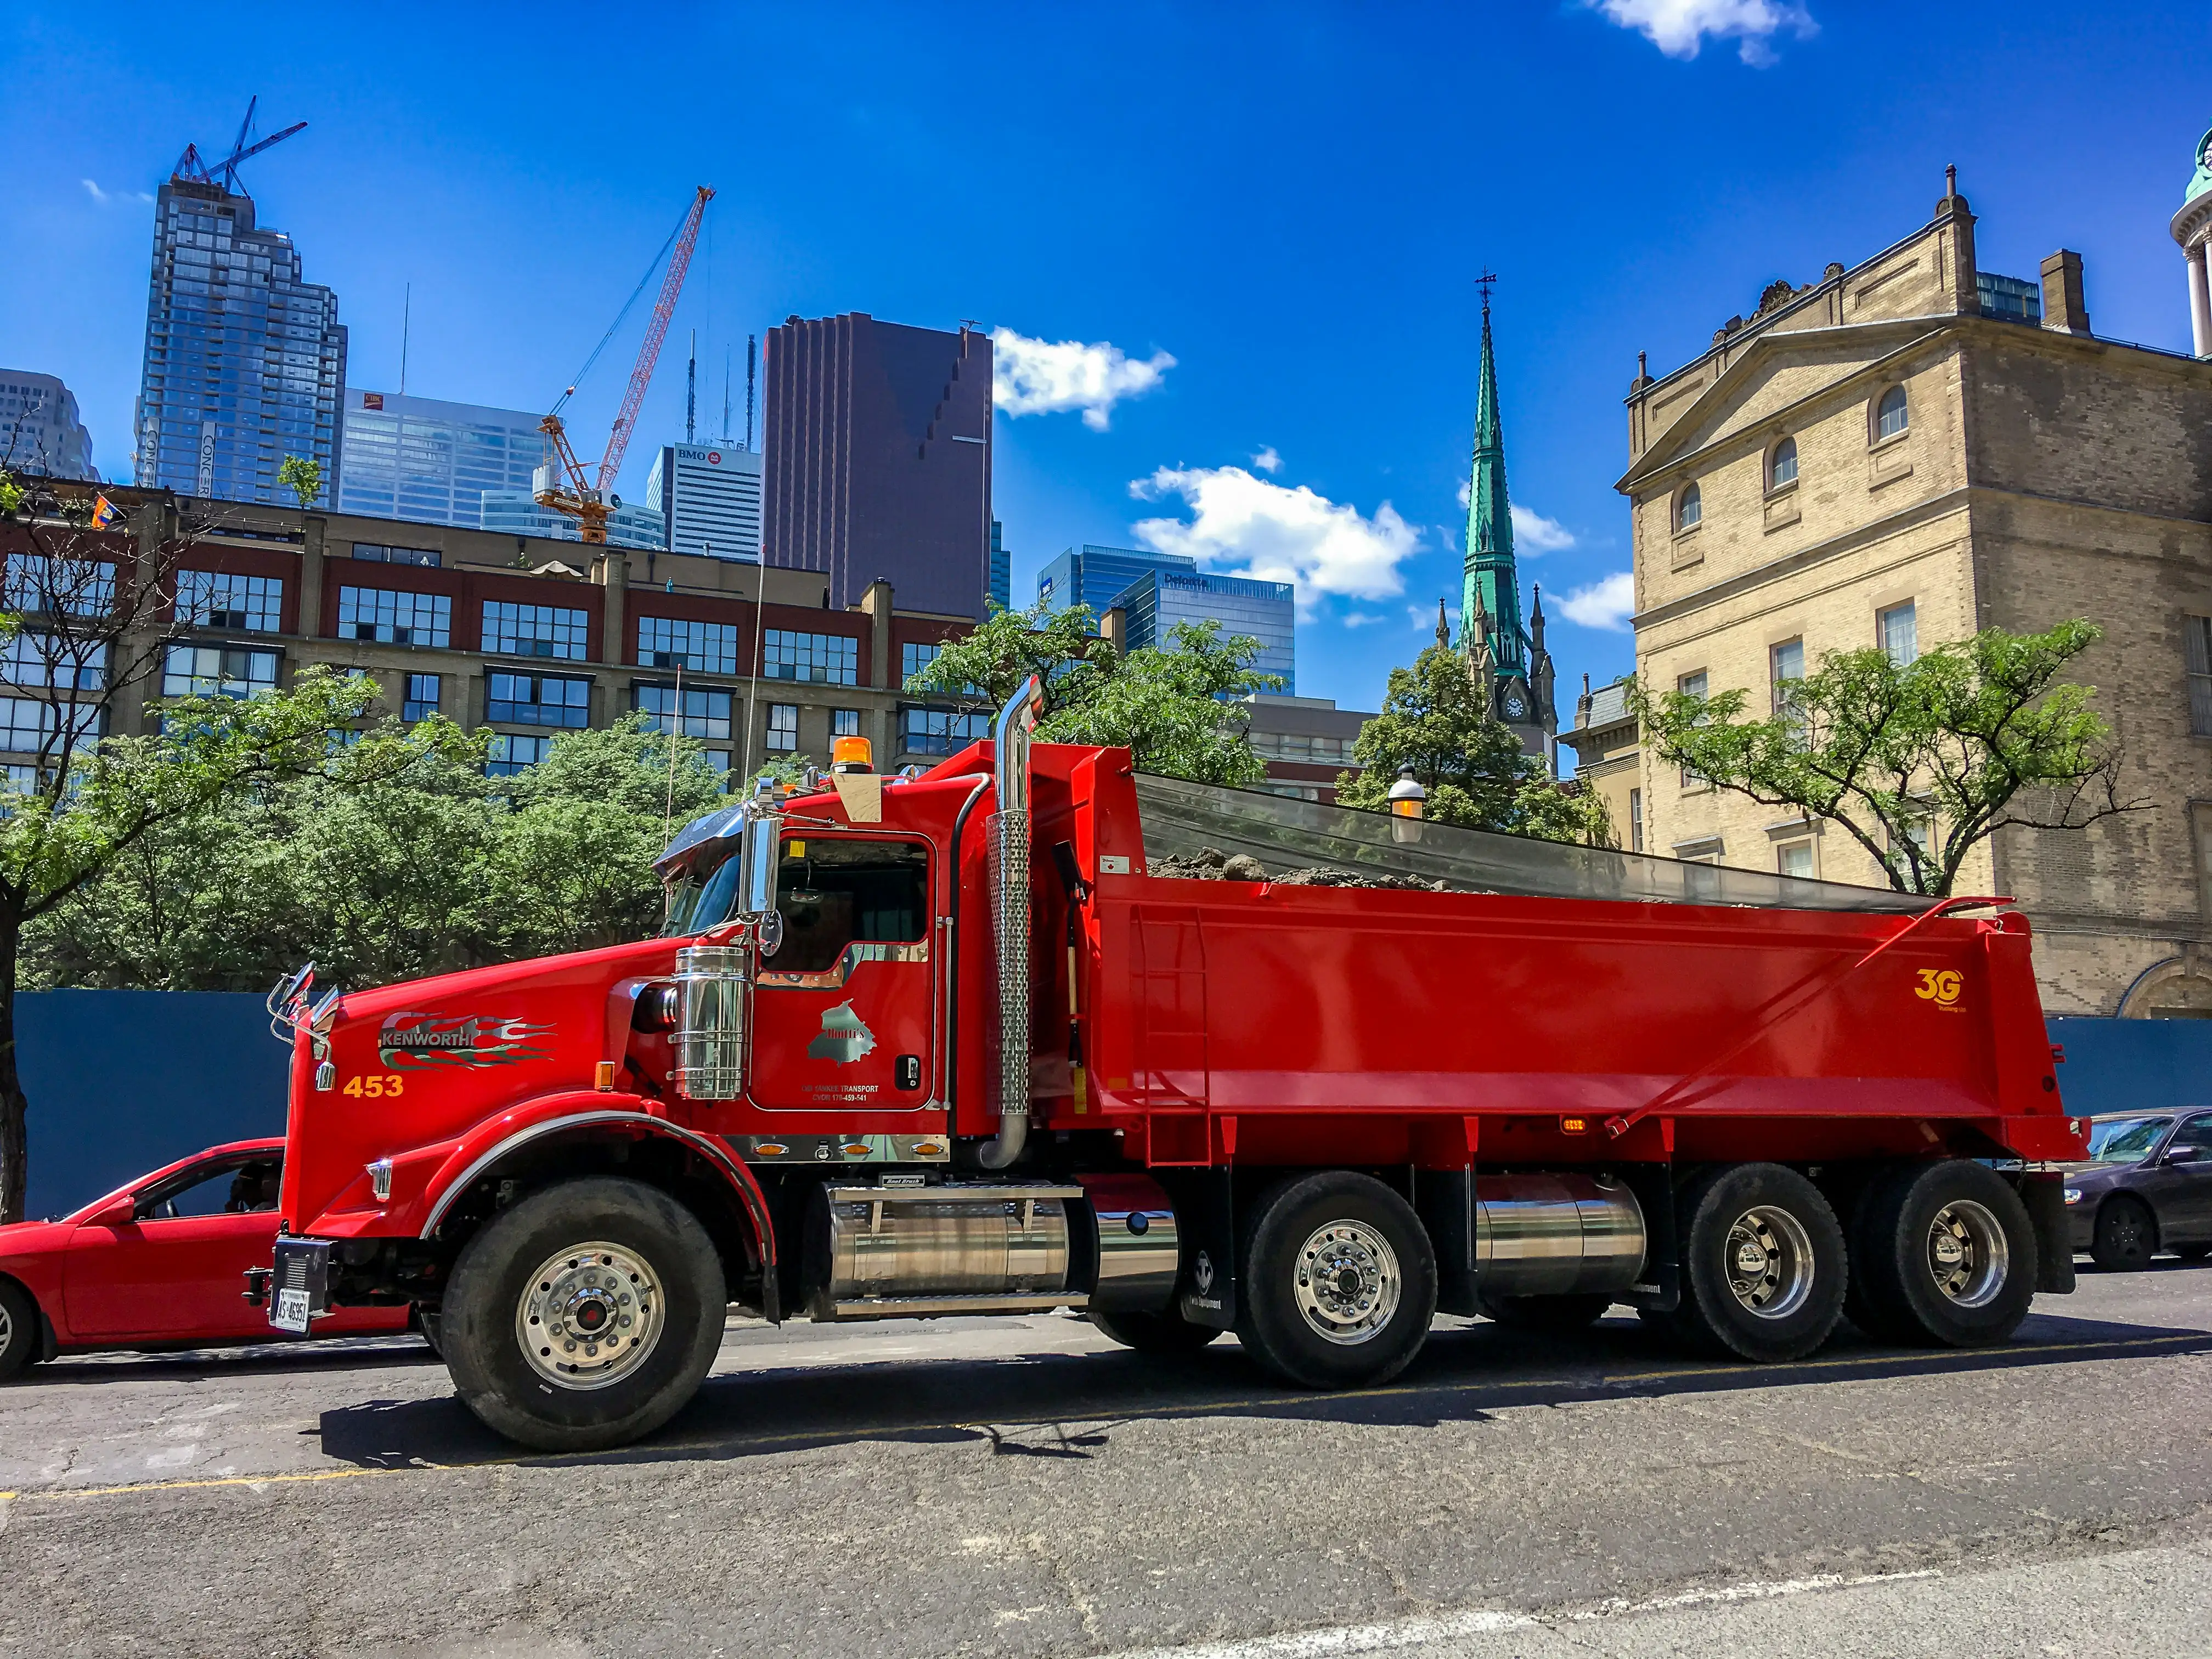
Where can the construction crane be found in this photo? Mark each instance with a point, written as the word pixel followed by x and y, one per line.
pixel 224 173
pixel 563 486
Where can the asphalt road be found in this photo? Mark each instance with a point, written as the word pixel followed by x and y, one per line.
pixel 1022 1487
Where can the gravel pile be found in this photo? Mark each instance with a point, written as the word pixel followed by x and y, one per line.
pixel 1212 864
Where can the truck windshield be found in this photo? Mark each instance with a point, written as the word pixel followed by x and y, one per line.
pixel 693 909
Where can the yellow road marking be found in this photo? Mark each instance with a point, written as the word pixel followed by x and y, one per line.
pixel 1194 1409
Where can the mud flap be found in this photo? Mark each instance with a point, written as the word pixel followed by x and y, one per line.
pixel 2043 1193
pixel 1206 1290
pixel 1659 1286
pixel 1444 1201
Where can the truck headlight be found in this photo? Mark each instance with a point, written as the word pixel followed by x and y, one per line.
pixel 2073 1195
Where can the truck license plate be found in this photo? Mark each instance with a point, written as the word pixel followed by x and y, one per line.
pixel 291 1312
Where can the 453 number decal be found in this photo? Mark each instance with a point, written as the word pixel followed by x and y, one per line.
pixel 375 1087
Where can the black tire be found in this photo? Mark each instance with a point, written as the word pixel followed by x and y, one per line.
pixel 426 1321
pixel 480 1319
pixel 1548 1313
pixel 1782 1311
pixel 21 1333
pixel 1161 1334
pixel 2126 1236
pixel 1943 1255
pixel 1283 1305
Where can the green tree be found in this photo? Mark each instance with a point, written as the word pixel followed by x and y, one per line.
pixel 1436 719
pixel 303 477
pixel 1920 762
pixel 1166 706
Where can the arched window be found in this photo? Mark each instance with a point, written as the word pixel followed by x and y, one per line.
pixel 1689 510
pixel 1889 416
pixel 1783 469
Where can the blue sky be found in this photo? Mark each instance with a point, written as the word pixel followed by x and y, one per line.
pixel 1255 230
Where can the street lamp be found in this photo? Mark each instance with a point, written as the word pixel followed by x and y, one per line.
pixel 1406 798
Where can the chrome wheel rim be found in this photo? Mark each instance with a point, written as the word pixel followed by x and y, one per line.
pixel 590 1315
pixel 6 1328
pixel 1347 1284
pixel 1967 1256
pixel 1769 1262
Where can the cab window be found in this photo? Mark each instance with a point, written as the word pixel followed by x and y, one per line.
pixel 834 892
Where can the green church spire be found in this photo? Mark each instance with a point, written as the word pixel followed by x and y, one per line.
pixel 1488 577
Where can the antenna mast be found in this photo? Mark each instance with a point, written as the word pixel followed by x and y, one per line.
pixel 750 340
pixel 691 393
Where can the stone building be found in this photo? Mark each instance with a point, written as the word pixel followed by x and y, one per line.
pixel 1904 452
pixel 528 635
pixel 1605 739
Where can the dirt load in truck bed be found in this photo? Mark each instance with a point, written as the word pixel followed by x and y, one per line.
pixel 1211 864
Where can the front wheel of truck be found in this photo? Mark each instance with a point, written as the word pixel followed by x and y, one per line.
pixel 584 1316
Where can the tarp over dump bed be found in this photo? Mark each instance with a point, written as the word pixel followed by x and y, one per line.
pixel 1183 820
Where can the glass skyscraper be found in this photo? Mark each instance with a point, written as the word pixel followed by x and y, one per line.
pixel 708 497
pixel 245 361
pixel 1096 575
pixel 1002 568
pixel 516 512
pixel 1265 611
pixel 431 461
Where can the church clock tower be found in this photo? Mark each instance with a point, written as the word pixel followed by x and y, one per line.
pixel 1502 653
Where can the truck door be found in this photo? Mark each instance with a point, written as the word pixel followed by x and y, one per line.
pixel 845 1011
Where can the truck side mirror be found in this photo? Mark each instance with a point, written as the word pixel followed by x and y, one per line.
pixel 759 853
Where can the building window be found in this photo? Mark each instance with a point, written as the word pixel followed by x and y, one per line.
pixel 216 670
pixel 704 648
pixel 535 630
pixel 1795 859
pixel 1693 685
pixel 706 711
pixel 27 723
pixel 1690 508
pixel 391 618
pixel 509 755
pixel 915 657
pixel 783 728
pixel 55 660
pixel 538 699
pixel 844 722
pixel 939 731
pixel 2197 642
pixel 1785 683
pixel 383 555
pixel 1899 627
pixel 54 587
pixel 816 658
pixel 23 779
pixel 1890 415
pixel 1636 820
pixel 1783 469
pixel 208 599
pixel 421 701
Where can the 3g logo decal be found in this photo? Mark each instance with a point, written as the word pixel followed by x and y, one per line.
pixel 1940 985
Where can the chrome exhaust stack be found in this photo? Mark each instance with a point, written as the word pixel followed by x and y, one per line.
pixel 1010 920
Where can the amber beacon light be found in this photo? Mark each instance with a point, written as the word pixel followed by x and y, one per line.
pixel 851 755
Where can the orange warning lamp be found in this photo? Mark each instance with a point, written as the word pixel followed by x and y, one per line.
pixel 851 755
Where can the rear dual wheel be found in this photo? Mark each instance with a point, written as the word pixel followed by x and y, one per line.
pixel 1161 1335
pixel 1339 1283
pixel 1943 1255
pixel 1762 1265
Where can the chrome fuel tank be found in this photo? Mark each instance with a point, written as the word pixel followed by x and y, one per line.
pixel 1541 1233
pixel 964 1247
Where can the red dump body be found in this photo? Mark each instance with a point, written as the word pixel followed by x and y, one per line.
pixel 1225 1023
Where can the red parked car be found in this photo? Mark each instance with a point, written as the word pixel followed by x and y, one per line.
pixel 157 1264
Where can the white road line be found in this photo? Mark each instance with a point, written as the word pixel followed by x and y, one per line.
pixel 1424 1628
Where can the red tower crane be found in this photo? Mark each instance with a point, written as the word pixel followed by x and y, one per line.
pixel 567 491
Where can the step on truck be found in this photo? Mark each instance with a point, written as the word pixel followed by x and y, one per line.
pixel 1011 1034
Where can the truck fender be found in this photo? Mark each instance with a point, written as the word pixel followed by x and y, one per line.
pixel 561 1114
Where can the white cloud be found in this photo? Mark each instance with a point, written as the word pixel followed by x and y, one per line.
pixel 1247 527
pixel 1466 492
pixel 1043 377
pixel 104 197
pixel 1268 461
pixel 1607 603
pixel 1534 533
pixel 1360 619
pixel 1424 617
pixel 1678 28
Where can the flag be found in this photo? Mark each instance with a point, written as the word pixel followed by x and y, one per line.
pixel 103 513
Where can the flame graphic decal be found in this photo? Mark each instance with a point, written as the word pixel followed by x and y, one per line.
pixel 421 1042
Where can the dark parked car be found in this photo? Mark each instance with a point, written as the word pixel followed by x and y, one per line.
pixel 2148 1188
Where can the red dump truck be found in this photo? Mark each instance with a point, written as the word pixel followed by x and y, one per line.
pixel 979 1040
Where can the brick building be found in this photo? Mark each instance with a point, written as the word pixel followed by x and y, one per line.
pixel 527 636
pixel 1907 451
